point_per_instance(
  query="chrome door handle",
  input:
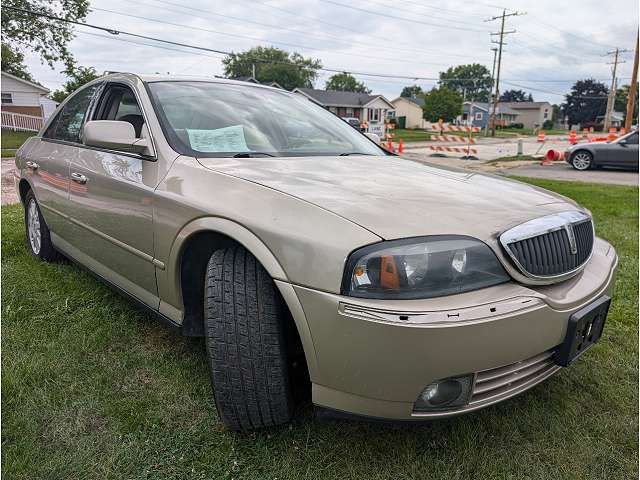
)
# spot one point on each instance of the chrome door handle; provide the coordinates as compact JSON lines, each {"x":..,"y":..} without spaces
{"x":32,"y":165}
{"x":78,"y":178}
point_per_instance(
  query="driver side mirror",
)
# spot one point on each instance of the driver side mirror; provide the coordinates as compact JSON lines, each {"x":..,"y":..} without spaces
{"x":623,"y":142}
{"x":115,"y":135}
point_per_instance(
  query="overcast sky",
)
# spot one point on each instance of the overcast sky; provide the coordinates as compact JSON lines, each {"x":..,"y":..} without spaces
{"x":556,"y":43}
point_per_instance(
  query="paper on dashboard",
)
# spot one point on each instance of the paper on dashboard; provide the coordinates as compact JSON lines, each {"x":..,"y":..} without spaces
{"x":227,"y":139}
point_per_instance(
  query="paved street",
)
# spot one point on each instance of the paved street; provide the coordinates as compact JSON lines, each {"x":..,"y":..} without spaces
{"x":8,"y":194}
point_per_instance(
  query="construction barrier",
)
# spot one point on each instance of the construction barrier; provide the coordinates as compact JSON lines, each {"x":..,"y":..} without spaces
{"x":401,"y":146}
{"x":552,"y":156}
{"x":466,"y":150}
{"x":452,"y":138}
{"x":541,"y":136}
{"x":573,"y":138}
{"x":452,"y":128}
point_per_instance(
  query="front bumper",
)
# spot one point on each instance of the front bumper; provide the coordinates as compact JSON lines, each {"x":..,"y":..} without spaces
{"x":374,"y":357}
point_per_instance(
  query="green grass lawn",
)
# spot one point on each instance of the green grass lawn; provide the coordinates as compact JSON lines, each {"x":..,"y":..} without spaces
{"x":11,"y":141}
{"x":93,"y":388}
{"x":410,"y":135}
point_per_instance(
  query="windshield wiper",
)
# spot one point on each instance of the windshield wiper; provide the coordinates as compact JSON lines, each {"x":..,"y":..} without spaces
{"x":252,"y":154}
{"x":346,"y":154}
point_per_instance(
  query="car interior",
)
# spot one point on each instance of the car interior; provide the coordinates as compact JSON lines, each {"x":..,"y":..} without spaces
{"x":119,"y":103}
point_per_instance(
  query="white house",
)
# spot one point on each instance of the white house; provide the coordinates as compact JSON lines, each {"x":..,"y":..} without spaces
{"x":24,"y":97}
{"x":372,"y":109}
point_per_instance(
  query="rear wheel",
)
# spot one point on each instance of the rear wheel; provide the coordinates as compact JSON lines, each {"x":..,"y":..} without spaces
{"x":245,"y":340}
{"x":37,"y":232}
{"x":582,"y":160}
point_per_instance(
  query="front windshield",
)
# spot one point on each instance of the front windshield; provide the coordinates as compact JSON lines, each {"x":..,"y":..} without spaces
{"x":208,"y":119}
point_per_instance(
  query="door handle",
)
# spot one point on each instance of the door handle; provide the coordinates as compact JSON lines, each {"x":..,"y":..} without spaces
{"x":78,"y":178}
{"x":32,"y":165}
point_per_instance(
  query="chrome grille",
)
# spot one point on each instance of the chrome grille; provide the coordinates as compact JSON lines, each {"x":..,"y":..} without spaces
{"x":491,"y":385}
{"x":552,"y":247}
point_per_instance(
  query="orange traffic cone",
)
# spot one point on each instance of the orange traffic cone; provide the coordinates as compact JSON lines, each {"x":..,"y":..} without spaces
{"x":541,"y":136}
{"x":401,"y":146}
{"x":623,"y":130}
{"x":573,"y":139}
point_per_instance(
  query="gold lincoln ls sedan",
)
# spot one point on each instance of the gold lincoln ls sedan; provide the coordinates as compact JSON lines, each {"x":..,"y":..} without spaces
{"x":304,"y":252}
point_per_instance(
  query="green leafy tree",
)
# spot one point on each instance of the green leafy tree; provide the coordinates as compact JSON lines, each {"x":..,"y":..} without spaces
{"x":586,"y":101}
{"x":516,"y":96}
{"x":13,"y":63}
{"x":442,"y":102}
{"x":46,"y":37}
{"x":273,"y":65}
{"x":345,"y":82}
{"x":620,"y":105}
{"x":78,"y":76}
{"x":472,"y":81}
{"x":411,"y":91}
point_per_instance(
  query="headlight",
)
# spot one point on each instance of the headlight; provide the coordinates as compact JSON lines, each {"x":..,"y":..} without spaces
{"x":422,"y":267}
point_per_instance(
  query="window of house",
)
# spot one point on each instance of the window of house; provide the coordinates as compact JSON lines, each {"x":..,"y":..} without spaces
{"x":478,"y":115}
{"x":546,"y":113}
{"x":349,"y":112}
{"x":374,"y":114}
{"x":333,"y":110}
{"x":68,"y":123}
{"x":7,"y":98}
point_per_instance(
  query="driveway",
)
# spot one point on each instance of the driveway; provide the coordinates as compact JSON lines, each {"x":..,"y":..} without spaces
{"x":8,"y":194}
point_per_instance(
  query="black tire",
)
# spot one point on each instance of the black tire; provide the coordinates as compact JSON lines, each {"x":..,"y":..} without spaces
{"x":44,"y":250}
{"x":246,"y":348}
{"x":582,"y":160}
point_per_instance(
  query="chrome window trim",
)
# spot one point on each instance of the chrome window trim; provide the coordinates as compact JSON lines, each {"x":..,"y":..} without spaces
{"x":541,"y":226}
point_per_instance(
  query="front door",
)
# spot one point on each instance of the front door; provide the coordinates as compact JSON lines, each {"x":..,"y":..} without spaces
{"x":112,"y":203}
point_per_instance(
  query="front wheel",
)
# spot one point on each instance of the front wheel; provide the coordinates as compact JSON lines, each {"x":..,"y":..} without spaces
{"x":246,"y":349}
{"x":582,"y":160}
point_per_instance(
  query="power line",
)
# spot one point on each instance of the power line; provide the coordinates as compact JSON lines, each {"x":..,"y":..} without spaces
{"x":388,"y":15}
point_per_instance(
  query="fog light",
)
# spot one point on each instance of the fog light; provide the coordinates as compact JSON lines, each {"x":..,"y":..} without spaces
{"x":444,"y":394}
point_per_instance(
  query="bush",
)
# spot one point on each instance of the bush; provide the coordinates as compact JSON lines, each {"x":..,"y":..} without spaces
{"x":516,"y":125}
{"x":547,"y":125}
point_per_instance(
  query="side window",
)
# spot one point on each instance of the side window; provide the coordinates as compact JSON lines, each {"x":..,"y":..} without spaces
{"x":68,"y":123}
{"x":633,"y":139}
{"x":119,"y":103}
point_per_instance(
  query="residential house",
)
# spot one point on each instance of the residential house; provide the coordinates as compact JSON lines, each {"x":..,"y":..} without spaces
{"x":24,"y":97}
{"x":408,"y":112}
{"x":477,"y":114}
{"x":531,"y":114}
{"x":617,"y":119}
{"x":372,"y":109}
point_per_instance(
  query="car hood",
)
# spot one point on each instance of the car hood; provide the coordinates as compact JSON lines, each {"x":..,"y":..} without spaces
{"x":395,"y":197}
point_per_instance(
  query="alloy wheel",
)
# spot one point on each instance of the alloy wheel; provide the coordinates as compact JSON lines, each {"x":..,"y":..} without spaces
{"x":581,"y":160}
{"x":33,"y":224}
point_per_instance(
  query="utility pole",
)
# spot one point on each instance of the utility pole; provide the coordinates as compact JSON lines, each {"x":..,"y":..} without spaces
{"x":631,"y":99}
{"x":493,"y":76}
{"x":501,"y":34}
{"x":612,"y":92}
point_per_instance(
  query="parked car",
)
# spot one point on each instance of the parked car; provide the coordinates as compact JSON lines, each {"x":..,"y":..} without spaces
{"x":400,"y":290}
{"x":354,"y":122}
{"x":621,"y":153}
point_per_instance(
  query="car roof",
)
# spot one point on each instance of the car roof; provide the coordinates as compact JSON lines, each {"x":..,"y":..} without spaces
{"x":152,"y":78}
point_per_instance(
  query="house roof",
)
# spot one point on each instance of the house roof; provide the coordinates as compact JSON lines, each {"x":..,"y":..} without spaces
{"x":27,"y":82}
{"x":501,"y":109}
{"x":419,"y":101}
{"x":333,"y":98}
{"x":526,"y":105}
{"x":257,"y":82}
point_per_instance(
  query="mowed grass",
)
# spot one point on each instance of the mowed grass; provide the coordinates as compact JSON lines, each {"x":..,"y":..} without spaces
{"x":11,"y":141}
{"x":93,"y":388}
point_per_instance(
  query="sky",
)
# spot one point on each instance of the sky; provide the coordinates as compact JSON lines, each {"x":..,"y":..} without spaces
{"x":555,"y":43}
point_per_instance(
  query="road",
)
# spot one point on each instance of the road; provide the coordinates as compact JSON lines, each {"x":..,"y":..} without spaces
{"x":563,"y":171}
{"x":8,"y":194}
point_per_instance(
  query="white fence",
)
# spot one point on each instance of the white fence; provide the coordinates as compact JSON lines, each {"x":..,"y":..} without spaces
{"x":19,"y":121}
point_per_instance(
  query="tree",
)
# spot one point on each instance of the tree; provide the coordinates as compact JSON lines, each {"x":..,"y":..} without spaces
{"x":586,"y":101}
{"x":13,"y":63}
{"x":474,"y":78}
{"x":46,"y":37}
{"x":411,"y":91}
{"x":620,"y":105}
{"x":345,"y":82}
{"x":78,"y":76}
{"x":273,"y":65}
{"x":516,"y":96}
{"x":442,"y":102}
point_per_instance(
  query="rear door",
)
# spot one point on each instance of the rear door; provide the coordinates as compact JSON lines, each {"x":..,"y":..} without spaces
{"x":112,"y":202}
{"x":630,"y":149}
{"x":50,"y":158}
